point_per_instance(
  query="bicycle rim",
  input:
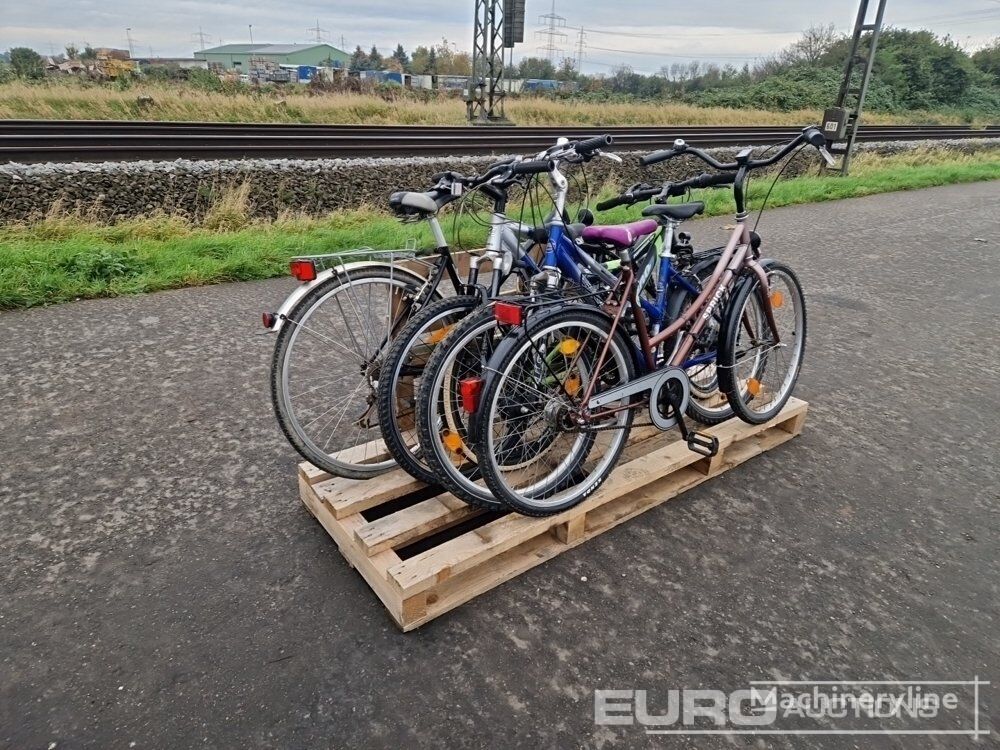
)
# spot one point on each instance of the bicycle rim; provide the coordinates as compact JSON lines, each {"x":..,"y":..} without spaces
{"x":763,"y":371}
{"x":532,"y":457}
{"x":329,"y":371}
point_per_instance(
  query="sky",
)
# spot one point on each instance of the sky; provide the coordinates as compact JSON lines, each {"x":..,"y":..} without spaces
{"x":649,"y":36}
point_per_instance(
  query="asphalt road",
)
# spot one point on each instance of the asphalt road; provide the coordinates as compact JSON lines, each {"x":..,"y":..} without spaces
{"x":161,"y":585}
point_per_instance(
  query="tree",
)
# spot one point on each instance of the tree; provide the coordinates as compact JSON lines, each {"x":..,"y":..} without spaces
{"x":375,"y":61}
{"x":419,"y":60}
{"x":567,"y":70}
{"x":536,"y":67}
{"x":816,"y":41}
{"x":89,"y":54}
{"x":359,"y":60}
{"x":432,"y":61}
{"x":72,"y":51}
{"x":26,"y":63}
{"x":988,"y":59}
{"x":401,"y":57}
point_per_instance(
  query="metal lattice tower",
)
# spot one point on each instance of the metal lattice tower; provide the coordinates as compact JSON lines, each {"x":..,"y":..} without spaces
{"x":857,"y":74}
{"x":486,"y":94}
{"x":552,"y":33}
{"x":318,"y":31}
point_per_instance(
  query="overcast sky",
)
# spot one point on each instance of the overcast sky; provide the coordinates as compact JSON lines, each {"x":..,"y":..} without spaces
{"x":644,"y":35}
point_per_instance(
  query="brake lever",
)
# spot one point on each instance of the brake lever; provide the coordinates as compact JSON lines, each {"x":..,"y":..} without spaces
{"x":613,"y":157}
{"x":827,"y":156}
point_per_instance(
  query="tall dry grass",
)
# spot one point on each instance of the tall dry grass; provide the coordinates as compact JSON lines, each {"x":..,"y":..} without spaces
{"x":71,"y":99}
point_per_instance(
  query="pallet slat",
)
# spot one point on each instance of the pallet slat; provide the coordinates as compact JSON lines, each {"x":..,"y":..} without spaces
{"x":417,"y":589}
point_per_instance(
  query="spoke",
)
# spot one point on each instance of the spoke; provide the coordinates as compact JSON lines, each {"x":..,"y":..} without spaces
{"x":327,"y":340}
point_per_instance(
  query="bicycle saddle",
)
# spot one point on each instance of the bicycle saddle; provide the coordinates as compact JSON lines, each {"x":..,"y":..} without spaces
{"x":621,"y":235}
{"x":423,"y":204}
{"x":677,"y":211}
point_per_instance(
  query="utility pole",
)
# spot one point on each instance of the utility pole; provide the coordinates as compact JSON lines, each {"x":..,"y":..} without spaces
{"x":841,"y":123}
{"x":552,"y":32}
{"x":581,"y":42}
{"x":131,"y":44}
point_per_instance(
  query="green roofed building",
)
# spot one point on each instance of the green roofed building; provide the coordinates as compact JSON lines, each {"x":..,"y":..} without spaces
{"x":239,"y":56}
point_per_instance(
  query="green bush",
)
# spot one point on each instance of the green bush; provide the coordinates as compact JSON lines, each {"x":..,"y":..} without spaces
{"x":803,"y":87}
{"x":103,"y":265}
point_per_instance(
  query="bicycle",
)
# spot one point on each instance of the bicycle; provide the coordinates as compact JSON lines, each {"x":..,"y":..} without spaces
{"x":407,"y":358}
{"x":335,"y":327}
{"x":458,"y":361}
{"x":571,"y":378}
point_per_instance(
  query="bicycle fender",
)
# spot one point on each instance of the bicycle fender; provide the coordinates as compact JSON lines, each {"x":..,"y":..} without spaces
{"x":342,"y":270}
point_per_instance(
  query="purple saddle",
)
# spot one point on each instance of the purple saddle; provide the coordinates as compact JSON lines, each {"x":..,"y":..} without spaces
{"x":621,"y":235}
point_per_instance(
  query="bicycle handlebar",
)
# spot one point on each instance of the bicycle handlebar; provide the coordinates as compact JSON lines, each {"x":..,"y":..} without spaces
{"x":633,"y":195}
{"x":811,"y":135}
{"x":643,"y":192}
{"x":710,"y":180}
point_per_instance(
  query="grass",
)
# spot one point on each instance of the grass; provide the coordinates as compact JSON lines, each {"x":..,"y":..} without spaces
{"x":68,"y":257}
{"x":73,"y":99}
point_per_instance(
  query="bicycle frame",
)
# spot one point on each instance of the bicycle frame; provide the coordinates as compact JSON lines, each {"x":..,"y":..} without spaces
{"x":735,"y":257}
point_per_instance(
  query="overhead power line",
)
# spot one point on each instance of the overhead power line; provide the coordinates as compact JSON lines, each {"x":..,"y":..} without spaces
{"x":694,"y":35}
{"x":706,"y":55}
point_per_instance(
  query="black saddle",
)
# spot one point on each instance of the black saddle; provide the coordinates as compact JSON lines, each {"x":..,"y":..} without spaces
{"x":407,"y":203}
{"x":677,"y":211}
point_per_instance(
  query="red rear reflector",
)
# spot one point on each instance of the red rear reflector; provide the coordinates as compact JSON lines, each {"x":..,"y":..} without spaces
{"x":269,"y":319}
{"x":303,"y":270}
{"x":470,"y":388}
{"x":508,"y":313}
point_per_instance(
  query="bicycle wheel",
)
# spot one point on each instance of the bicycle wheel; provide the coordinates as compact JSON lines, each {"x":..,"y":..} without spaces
{"x":756,"y":371}
{"x":443,"y":422}
{"x":405,"y":364}
{"x":326,"y":363}
{"x":533,"y":456}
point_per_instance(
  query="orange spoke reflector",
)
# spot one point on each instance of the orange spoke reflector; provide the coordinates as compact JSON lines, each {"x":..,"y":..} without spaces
{"x":753,"y":385}
{"x":572,"y":385}
{"x":436,"y":336}
{"x":777,"y":299}
{"x":568,"y":347}
{"x":452,"y":441}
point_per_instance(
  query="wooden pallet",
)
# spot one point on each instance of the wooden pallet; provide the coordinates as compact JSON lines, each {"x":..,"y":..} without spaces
{"x":424,"y":552}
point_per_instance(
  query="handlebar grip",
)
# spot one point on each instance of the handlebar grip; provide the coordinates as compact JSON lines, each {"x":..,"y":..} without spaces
{"x":711,"y":180}
{"x":619,"y":200}
{"x":657,"y":156}
{"x":536,"y":166}
{"x":593,"y":144}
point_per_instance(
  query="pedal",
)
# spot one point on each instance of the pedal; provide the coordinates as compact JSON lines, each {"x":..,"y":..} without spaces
{"x":705,"y":445}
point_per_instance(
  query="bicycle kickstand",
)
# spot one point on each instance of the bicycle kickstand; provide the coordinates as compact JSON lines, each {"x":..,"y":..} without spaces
{"x":698,"y":442}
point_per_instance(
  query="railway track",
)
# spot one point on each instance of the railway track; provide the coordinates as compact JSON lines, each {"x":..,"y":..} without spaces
{"x":35,"y":141}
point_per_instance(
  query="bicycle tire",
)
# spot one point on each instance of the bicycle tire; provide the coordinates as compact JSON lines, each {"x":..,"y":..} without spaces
{"x":431,"y":406}
{"x":280,"y":396}
{"x":730,"y":356}
{"x":515,"y":345}
{"x":410,"y":458}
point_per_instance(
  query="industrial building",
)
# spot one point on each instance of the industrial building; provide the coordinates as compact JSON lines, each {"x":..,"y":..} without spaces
{"x":243,"y":57}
